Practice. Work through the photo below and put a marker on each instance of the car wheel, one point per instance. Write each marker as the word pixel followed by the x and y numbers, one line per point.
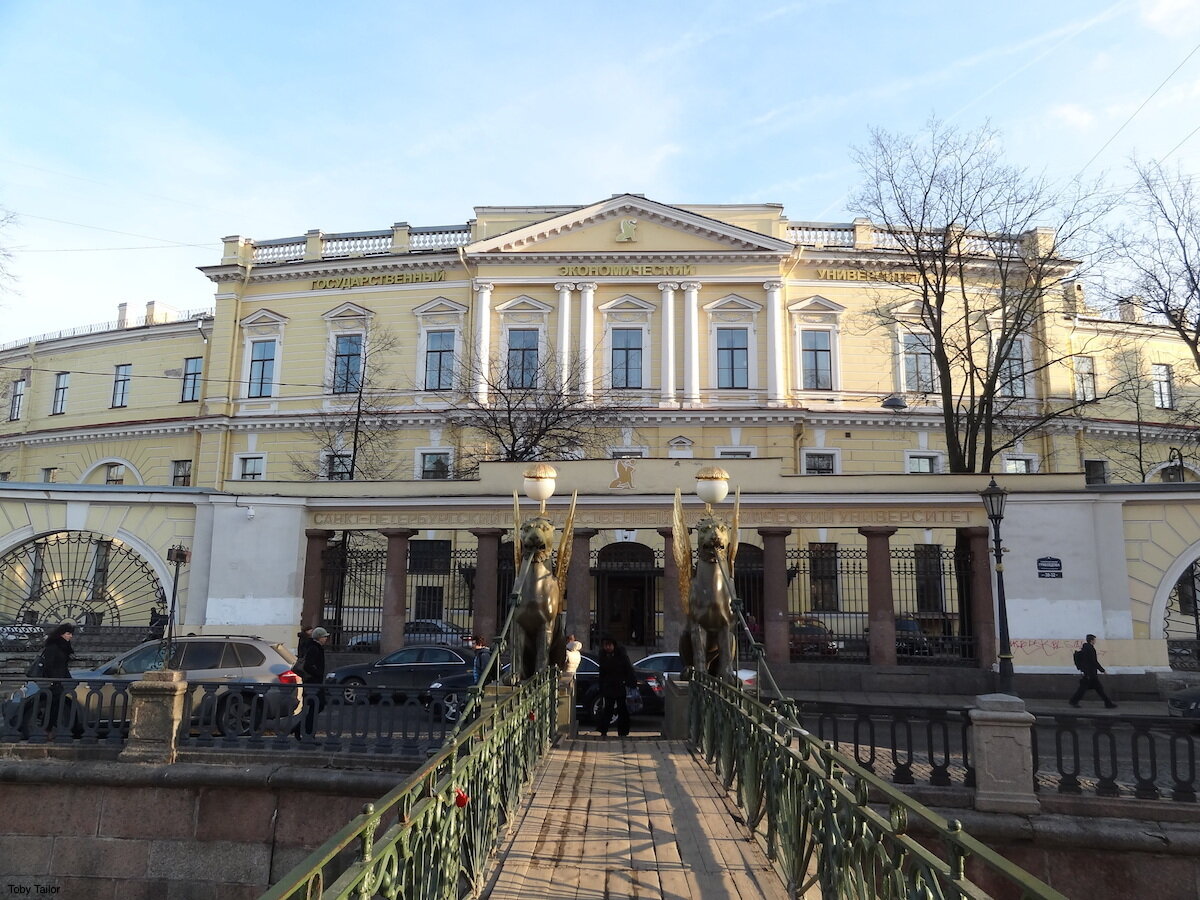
pixel 239 715
pixel 448 708
pixel 352 690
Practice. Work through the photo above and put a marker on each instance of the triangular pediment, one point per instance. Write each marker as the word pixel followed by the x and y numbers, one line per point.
pixel 347 311
pixel 264 317
pixel 627 303
pixel 816 304
pixel 440 306
pixel 733 303
pixel 631 226
pixel 523 303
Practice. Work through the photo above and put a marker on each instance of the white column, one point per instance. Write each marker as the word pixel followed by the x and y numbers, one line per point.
pixel 668 289
pixel 483 339
pixel 691 341
pixel 775 378
pixel 587 339
pixel 564 332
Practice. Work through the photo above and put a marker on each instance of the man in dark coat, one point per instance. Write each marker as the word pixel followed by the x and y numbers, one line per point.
pixel 616 674
pixel 56 663
pixel 303 639
pixel 1090 666
pixel 311 667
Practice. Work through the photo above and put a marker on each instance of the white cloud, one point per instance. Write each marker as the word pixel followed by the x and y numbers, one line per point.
pixel 1072 115
pixel 1171 17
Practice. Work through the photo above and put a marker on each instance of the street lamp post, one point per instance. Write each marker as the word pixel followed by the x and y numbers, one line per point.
pixel 993 497
pixel 177 556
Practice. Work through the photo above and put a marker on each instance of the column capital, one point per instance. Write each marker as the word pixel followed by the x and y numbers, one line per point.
pixel 690 285
pixel 397 532
pixel 314 533
pixel 774 530
pixel 482 285
pixel 588 533
pixel 561 286
pixel 665 286
pixel 586 286
pixel 877 531
pixel 772 285
pixel 487 532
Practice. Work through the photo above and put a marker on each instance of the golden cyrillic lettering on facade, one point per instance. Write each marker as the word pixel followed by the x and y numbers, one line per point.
pixel 353 281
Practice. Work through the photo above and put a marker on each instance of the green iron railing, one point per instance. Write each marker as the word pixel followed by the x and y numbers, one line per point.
pixel 828 823
pixel 430 838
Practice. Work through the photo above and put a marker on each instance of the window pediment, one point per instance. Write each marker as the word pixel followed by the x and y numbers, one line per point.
pixel 733 303
pixel 264 317
pixel 816 304
pixel 440 306
pixel 523 304
pixel 348 312
pixel 627 303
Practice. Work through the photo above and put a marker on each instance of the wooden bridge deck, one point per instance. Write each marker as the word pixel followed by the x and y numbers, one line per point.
pixel 636 817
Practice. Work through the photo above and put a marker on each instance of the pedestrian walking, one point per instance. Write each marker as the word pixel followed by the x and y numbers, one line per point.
pixel 311 669
pixel 574 654
pixel 1088 663
pixel 303 639
pixel 56 664
pixel 483 655
pixel 616 676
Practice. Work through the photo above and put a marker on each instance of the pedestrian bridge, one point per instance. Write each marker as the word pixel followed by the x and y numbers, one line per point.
pixel 750 805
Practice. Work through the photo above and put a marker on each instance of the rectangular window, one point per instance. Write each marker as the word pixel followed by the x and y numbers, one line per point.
pixel 250 468
pixel 816 360
pixel 628 454
pixel 50 475
pixel 1012 371
pixel 114 473
pixel 1018 465
pixel 735 454
pixel 16 400
pixel 1164 386
pixel 439 360
pixel 919 374
pixel 121 377
pixel 262 369
pixel 430 557
pixel 626 358
pixel 348 364
pixel 1085 379
pixel 435 466
pixel 338 467
pixel 181 473
pixel 818 463
pixel 823 577
pixel 928 562
pixel 522 358
pixel 733 356
pixel 1095 471
pixel 192 366
pixel 5 476
pixel 922 464
pixel 58 405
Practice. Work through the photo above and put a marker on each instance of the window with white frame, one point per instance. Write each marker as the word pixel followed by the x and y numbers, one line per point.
pixel 816 359
pixel 1019 465
pixel 122 375
pixel 628 453
pixel 50 474
pixel 1085 379
pixel 114 473
pixel 923 463
pixel 733 358
pixel 192 367
pixel 251 468
pixel 435 465
pixel 920 375
pixel 347 364
pixel 819 462
pixel 16 400
pixel 181 473
pixel 439 360
pixel 261 381
pixel 1013 370
pixel 626 358
pixel 338 467
pixel 1164 386
pixel 522 357
pixel 62 383
pixel 735 453
pixel 1095 471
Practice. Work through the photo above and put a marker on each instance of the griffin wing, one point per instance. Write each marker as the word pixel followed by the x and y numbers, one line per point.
pixel 563 563
pixel 682 547
pixel 733 534
pixel 516 532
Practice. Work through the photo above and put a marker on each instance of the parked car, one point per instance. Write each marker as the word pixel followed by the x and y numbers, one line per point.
pixel 20 636
pixel 254 685
pixel 364 643
pixel 671 664
pixel 911 639
pixel 808 636
pixel 401 672
pixel 1185 703
pixel 435 631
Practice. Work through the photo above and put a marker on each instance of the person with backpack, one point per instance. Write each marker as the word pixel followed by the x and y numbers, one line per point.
pixel 1088 663
pixel 311 669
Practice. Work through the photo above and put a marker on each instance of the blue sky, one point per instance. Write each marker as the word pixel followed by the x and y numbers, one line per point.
pixel 135 135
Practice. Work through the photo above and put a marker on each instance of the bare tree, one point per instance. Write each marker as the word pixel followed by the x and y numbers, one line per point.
pixel 530 414
pixel 355 431
pixel 985 245
pixel 1159 251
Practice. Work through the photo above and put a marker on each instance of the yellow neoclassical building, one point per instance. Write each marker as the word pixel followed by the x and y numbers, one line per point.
pixel 723 334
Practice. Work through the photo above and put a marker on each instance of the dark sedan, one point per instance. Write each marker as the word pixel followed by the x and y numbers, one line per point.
pixel 408 670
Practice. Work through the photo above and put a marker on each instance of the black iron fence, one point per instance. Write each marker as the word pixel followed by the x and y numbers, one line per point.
pixel 1146 757
pixel 64 711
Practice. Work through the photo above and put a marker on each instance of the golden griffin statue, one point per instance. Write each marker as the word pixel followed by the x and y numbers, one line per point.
pixel 706 591
pixel 536 641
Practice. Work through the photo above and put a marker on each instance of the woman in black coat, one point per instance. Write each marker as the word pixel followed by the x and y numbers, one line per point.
pixel 56 663
pixel 616 674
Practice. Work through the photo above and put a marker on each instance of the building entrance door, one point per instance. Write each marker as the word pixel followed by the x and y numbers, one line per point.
pixel 628 605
